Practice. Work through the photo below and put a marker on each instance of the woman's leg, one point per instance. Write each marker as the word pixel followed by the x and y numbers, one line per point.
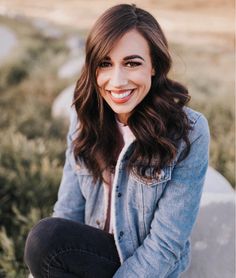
pixel 57 247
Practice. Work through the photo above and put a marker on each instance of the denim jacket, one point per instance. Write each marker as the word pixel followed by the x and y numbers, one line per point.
pixel 152 221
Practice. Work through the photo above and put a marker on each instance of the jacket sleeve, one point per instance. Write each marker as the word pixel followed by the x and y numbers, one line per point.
pixel 70 203
pixel 175 214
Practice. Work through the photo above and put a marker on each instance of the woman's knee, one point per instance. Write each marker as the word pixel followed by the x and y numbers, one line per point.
pixel 40 240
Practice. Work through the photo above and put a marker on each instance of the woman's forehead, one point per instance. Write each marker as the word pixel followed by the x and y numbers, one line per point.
pixel 132 43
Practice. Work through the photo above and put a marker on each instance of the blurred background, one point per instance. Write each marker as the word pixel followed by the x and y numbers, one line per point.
pixel 41 54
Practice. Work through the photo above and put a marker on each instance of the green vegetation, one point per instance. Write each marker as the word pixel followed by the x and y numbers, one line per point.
pixel 33 144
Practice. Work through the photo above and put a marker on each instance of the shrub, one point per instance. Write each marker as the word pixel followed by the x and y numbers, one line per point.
pixel 32 144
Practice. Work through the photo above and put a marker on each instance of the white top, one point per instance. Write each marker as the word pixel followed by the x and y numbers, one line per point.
pixel 128 137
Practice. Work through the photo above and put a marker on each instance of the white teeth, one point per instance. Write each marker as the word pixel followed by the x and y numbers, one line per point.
pixel 120 96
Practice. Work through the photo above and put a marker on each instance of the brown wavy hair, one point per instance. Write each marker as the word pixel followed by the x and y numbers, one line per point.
pixel 158 122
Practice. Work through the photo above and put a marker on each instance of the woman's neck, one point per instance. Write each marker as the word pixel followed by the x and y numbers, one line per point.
pixel 122 118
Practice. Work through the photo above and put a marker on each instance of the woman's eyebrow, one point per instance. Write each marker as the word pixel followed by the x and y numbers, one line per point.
pixel 130 57
pixel 133 57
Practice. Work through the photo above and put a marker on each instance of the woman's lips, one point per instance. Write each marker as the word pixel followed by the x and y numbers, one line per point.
pixel 121 96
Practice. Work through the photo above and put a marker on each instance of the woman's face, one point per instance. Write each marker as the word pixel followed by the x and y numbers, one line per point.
pixel 124 76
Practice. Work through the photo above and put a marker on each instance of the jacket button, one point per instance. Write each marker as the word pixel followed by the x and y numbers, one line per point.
pixel 121 233
pixel 119 194
pixel 98 222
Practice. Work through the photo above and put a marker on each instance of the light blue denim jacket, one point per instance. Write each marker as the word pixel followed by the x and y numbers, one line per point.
pixel 152 222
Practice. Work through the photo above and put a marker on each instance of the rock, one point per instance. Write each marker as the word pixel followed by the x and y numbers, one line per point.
pixel 61 107
pixel 76 61
pixel 47 29
pixel 216 183
pixel 8 42
pixel 75 45
pixel 213 238
pixel 71 67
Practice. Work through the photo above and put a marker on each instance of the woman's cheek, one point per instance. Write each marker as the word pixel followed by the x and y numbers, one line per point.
pixel 142 78
pixel 102 78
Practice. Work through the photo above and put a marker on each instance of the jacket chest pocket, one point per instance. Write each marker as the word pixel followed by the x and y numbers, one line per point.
pixel 83 176
pixel 145 194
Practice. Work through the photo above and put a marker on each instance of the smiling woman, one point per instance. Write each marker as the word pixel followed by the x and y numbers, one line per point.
pixel 135 163
pixel 124 77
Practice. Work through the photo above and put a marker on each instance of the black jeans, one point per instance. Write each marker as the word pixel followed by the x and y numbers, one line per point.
pixel 57 247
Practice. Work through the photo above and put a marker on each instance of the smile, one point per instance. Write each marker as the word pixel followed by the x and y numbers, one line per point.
pixel 121 96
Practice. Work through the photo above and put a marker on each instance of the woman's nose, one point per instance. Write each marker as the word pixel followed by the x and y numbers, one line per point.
pixel 118 78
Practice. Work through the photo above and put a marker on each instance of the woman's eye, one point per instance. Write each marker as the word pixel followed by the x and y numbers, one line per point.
pixel 133 64
pixel 104 64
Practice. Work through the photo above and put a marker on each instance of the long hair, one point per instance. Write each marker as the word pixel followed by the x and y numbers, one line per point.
pixel 158 121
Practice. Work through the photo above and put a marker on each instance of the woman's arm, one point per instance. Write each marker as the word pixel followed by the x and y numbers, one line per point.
pixel 175 214
pixel 70 203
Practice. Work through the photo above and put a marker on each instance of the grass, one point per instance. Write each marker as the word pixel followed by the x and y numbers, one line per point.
pixel 33 144
pixel 209 76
